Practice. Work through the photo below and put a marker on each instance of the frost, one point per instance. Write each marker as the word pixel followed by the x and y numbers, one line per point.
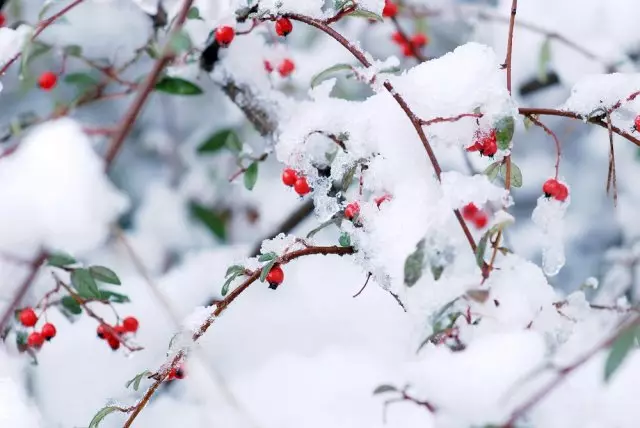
pixel 194 320
pixel 548 216
pixel 12 41
pixel 311 8
pixel 56 193
pixel 603 91
pixel 459 190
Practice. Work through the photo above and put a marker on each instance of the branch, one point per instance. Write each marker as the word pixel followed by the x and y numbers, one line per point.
pixel 221 306
pixel 145 89
pixel 536 121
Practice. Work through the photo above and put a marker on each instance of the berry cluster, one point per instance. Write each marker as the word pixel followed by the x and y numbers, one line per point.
pixel 486 143
pixel 409 46
pixel 28 318
pixel 299 182
pixel 352 210
pixel 472 213
pixel 112 334
pixel 275 276
pixel 285 68
pixel 390 9
pixel 552 188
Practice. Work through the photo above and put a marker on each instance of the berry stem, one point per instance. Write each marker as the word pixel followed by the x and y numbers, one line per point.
pixel 537 122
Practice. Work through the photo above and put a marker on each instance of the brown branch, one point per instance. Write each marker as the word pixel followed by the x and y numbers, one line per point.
pixel 507 61
pixel 40 27
pixel 364 286
pixel 145 89
pixel 221 306
pixel 449 119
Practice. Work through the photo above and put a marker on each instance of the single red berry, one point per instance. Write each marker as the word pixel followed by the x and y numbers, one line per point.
pixel 130 324
pixel 103 331
pixel 283 26
pixel 289 177
pixel 113 342
pixel 550 187
pixel 268 66
pixel 419 39
pixel 398 38
pixel 301 186
pixel 352 210
pixel 407 50
pixel 3 19
pixel 48 331
pixel 35 340
pixel 384 198
pixel 480 220
pixel 47 80
pixel 390 9
pixel 636 123
pixel 469 211
pixel 286 67
pixel 489 148
pixel 562 193
pixel 275 275
pixel 28 317
pixel 225 35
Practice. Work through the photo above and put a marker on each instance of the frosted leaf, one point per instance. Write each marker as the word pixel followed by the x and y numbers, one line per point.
pixel 548 216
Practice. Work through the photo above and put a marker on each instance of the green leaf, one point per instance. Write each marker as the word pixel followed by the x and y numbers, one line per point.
pixel 60 260
pixel 414 264
pixel 234 269
pixel 81 80
pixel 544 57
pixel 347 178
pixel 251 176
pixel 334 220
pixel 136 380
pixel 266 269
pixel 210 219
pixel 619 351
pixel 480 250
pixel 73 50
pixel 233 143
pixel 516 175
pixel 84 283
pixel 114 297
pixel 193 13
pixel 345 240
pixel 384 388
pixel 268 256
pixel 324 74
pixel 102 413
pixel 227 283
pixel 21 338
pixel 104 274
pixel 492 170
pixel 218 140
pixel 436 271
pixel 177 86
pixel 361 13
pixel 70 304
pixel 180 42
pixel 505 128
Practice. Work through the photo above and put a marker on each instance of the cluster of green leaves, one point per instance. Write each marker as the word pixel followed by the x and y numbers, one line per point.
pixel 416 262
pixel 85 281
pixel 505 128
pixel 232 273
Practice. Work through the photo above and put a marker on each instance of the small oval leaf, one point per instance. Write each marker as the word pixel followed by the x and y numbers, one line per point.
pixel 102 413
pixel 251 176
pixel 60 260
pixel 177 86
pixel 266 269
pixel 619 352
pixel 324 74
pixel 384 388
pixel 104 274
pixel 85 285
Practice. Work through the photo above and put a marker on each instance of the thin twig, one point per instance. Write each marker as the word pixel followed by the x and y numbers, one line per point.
pixel 364 286
pixel 546 129
pixel 611 175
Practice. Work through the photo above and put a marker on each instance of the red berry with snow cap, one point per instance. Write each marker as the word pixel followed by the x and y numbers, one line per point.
pixel 225 35
pixel 28 317
pixel 284 27
pixel 352 210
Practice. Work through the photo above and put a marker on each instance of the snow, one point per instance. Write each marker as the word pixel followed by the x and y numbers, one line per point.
pixel 548 216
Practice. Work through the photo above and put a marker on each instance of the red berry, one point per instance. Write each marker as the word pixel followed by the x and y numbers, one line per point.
pixel 179 373
pixel 480 220
pixel 47 80
pixel 268 66
pixel 562 193
pixel 407 50
pixel 390 9
pixel 35 340
pixel 475 147
pixel 275 275
pixel 172 374
pixel 550 187
pixel 489 148
pixel 119 329
pixel 381 199
pixel 130 324
pixel 469 211
pixel 225 35
pixel 103 331
pixel 48 331
pixel 283 26
pixel 398 38
pixel 3 19
pixel 28 317
pixel 113 342
pixel 301 186
pixel 286 67
pixel 419 39
pixel 351 210
pixel 289 177
pixel 636 123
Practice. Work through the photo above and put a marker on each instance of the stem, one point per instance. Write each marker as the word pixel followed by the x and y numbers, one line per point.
pixel 507 61
pixel 537 121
